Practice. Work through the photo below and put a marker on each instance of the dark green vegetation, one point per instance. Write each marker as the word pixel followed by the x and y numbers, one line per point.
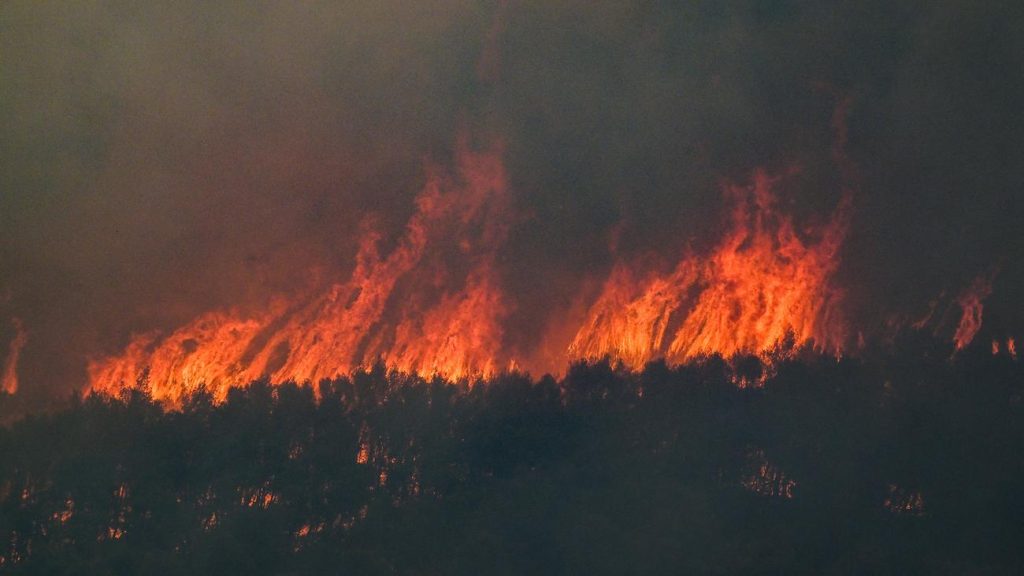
pixel 908 464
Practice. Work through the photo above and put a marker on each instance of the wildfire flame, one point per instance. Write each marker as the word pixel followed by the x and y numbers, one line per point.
pixel 416 311
pixel 9 378
pixel 760 285
pixel 971 303
pixel 406 308
pixel 1011 347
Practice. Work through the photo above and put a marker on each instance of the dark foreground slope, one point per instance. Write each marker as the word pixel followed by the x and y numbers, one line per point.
pixel 911 464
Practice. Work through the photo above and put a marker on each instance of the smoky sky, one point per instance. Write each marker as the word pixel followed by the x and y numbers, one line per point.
pixel 161 159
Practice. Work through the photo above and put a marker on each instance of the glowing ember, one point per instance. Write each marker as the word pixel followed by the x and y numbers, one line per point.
pixel 767 479
pixel 901 501
pixel 762 284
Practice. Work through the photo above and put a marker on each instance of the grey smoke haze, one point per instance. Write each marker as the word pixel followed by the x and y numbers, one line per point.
pixel 163 158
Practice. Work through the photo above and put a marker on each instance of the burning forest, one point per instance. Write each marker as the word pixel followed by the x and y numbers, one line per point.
pixel 762 287
pixel 503 286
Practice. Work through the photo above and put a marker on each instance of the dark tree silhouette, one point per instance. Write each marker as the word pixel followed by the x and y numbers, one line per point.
pixel 904 462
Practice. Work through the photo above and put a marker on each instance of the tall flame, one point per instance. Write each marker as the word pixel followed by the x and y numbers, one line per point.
pixel 9 378
pixel 382 312
pixel 761 284
pixel 434 304
pixel 971 302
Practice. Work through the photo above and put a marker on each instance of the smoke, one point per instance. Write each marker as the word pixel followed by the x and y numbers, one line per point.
pixel 161 161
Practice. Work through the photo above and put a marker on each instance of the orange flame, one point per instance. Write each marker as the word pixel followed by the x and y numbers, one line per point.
pixel 416 311
pixel 382 312
pixel 9 379
pixel 1011 348
pixel 760 285
pixel 971 303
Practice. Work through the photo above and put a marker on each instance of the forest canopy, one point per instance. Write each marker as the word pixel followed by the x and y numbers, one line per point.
pixel 904 464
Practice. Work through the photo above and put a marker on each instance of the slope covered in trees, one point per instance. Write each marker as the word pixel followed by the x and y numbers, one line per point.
pixel 908 463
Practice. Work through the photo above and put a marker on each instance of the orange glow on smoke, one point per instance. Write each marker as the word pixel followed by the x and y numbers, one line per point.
pixel 762 283
pixel 434 304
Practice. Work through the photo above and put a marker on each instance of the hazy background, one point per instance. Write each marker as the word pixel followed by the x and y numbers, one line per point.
pixel 161 159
